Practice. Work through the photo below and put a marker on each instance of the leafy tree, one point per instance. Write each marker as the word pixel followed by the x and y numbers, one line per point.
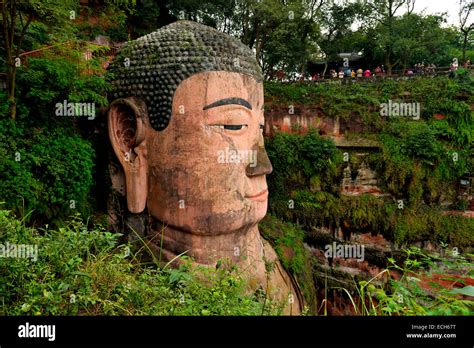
pixel 466 8
pixel 384 14
pixel 291 43
pixel 336 19
pixel 420 39
pixel 16 17
pixel 414 39
pixel 53 17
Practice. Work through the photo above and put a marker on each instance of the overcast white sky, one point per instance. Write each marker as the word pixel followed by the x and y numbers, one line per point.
pixel 437 6
pixel 451 7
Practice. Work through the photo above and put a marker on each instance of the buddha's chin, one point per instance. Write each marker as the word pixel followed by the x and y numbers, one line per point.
pixel 233 223
pixel 239 216
pixel 260 210
pixel 248 217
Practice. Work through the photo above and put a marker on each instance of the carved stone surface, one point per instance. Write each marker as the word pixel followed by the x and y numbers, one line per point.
pixel 198 166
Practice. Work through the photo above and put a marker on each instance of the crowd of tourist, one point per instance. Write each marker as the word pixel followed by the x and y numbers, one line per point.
pixel 417 69
pixel 351 73
pixel 345 73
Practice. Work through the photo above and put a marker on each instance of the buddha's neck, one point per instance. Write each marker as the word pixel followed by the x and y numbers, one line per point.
pixel 242 247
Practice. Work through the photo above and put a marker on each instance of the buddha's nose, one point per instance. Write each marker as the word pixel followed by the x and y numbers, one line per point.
pixel 260 165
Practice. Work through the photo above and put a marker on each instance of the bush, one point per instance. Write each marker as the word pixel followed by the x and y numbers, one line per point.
pixel 416 166
pixel 46 173
pixel 416 287
pixel 52 79
pixel 299 159
pixel 82 271
pixel 287 239
pixel 47 167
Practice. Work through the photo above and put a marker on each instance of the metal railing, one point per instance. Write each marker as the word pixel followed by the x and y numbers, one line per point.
pixel 377 77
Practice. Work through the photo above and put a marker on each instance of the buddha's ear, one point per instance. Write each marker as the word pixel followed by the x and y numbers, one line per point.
pixel 127 120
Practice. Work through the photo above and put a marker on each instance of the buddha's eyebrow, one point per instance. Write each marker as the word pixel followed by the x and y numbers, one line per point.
pixel 229 101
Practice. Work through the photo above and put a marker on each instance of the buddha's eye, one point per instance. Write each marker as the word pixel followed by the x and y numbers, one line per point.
pixel 233 127
pixel 262 127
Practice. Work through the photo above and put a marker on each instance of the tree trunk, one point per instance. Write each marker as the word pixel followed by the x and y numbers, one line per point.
pixel 11 94
pixel 8 35
pixel 388 63
pixel 325 67
pixel 10 83
pixel 12 102
pixel 9 22
pixel 464 45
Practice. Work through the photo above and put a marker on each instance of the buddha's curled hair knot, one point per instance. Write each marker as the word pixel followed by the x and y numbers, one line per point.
pixel 153 66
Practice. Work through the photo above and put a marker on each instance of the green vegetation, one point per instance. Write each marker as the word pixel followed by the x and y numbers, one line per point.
pixel 452 98
pixel 57 76
pixel 81 271
pixel 419 162
pixel 51 165
pixel 47 173
pixel 314 200
pixel 48 160
pixel 288 242
pixel 287 239
pixel 415 291
pixel 310 158
pixel 418 167
pixel 429 224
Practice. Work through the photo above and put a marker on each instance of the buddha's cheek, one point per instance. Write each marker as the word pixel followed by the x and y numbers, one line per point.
pixel 204 196
pixel 196 186
pixel 224 190
pixel 221 192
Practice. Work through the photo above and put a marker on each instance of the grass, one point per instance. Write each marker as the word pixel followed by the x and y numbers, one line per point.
pixel 84 271
pixel 81 271
pixel 413 288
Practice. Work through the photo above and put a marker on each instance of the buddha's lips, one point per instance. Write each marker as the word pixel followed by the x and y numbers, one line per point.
pixel 259 196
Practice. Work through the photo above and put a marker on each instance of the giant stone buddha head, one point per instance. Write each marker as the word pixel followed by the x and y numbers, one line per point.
pixel 186 125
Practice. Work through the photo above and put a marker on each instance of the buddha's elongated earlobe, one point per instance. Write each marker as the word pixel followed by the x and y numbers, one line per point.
pixel 127 119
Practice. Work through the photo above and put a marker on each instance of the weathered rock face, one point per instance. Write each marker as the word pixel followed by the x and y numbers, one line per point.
pixel 365 181
pixel 332 272
pixel 199 172
pixel 300 118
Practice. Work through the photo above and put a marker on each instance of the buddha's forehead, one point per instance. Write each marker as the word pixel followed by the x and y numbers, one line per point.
pixel 211 86
pixel 230 84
